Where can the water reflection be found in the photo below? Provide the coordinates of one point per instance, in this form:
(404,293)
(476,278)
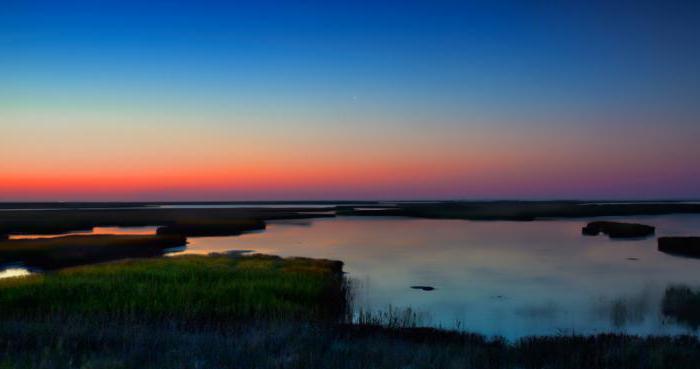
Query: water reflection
(498,278)
(627,310)
(681,303)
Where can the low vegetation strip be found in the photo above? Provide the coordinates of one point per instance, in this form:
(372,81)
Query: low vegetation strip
(66,220)
(191,288)
(55,343)
(223,227)
(59,252)
(522,210)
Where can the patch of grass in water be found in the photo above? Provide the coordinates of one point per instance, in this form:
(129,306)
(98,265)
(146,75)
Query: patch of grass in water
(193,288)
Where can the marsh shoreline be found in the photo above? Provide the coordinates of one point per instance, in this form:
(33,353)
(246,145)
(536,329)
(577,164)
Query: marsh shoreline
(149,314)
(38,218)
(102,335)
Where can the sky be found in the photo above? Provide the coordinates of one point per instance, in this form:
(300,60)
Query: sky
(304,100)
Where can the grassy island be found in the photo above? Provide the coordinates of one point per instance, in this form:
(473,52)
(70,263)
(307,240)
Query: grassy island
(618,229)
(682,246)
(190,288)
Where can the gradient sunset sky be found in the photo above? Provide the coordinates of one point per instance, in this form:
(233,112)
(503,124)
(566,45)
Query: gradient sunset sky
(175,100)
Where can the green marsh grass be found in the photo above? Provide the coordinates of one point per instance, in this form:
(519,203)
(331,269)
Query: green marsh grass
(194,288)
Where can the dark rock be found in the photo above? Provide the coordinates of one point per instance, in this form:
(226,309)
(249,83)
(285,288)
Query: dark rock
(618,229)
(423,288)
(686,246)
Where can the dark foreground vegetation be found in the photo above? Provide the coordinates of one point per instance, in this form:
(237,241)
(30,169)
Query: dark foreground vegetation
(618,229)
(76,343)
(261,312)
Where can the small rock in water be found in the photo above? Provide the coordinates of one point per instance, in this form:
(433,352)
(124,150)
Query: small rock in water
(633,259)
(423,288)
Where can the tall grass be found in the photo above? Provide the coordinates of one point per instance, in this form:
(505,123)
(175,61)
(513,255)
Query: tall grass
(56,343)
(191,288)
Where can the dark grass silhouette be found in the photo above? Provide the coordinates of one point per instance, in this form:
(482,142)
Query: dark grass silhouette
(60,252)
(682,246)
(618,229)
(220,221)
(212,227)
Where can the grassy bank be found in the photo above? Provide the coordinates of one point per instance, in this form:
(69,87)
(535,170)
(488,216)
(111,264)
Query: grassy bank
(215,289)
(59,252)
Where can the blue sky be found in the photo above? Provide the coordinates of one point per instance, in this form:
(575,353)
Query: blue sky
(604,80)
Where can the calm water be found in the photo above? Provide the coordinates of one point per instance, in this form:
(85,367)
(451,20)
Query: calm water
(497,278)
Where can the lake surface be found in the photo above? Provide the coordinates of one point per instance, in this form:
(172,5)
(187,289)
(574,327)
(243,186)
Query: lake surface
(504,278)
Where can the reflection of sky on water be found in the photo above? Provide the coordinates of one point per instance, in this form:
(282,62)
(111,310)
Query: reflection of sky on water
(497,277)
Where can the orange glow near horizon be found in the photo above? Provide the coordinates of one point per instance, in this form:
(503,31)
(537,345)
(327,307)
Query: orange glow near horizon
(140,162)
